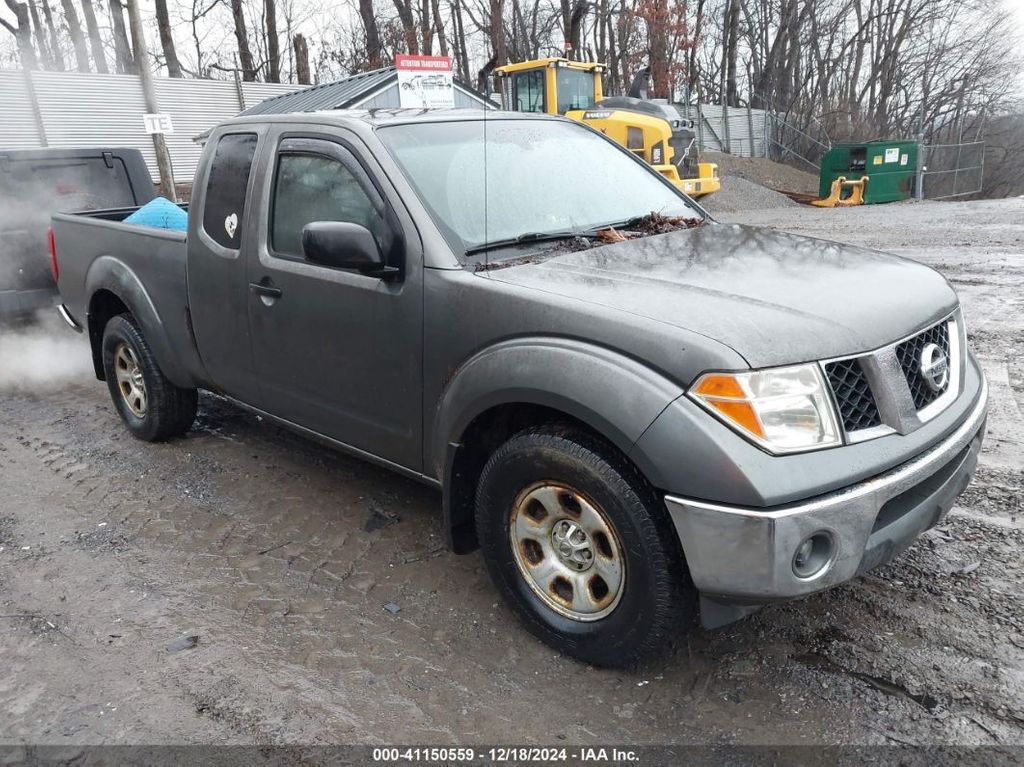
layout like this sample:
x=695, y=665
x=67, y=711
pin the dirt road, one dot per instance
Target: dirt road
x=279, y=556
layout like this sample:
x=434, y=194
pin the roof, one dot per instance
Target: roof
x=389, y=116
x=557, y=61
x=339, y=94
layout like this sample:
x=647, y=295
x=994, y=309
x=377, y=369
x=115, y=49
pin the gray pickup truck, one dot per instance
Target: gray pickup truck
x=634, y=427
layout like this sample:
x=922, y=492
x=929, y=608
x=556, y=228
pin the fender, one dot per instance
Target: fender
x=174, y=351
x=613, y=394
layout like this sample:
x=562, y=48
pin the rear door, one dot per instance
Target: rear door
x=218, y=289
x=336, y=351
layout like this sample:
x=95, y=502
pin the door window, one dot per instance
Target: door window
x=226, y=188
x=528, y=91
x=311, y=188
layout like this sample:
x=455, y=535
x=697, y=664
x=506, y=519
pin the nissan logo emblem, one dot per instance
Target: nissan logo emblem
x=934, y=367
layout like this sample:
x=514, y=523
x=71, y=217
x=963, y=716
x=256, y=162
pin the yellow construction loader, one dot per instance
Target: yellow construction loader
x=654, y=131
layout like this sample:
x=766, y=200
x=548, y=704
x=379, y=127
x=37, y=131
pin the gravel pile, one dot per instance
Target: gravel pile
x=761, y=170
x=738, y=194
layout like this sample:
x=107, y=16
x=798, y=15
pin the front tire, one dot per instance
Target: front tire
x=152, y=408
x=582, y=548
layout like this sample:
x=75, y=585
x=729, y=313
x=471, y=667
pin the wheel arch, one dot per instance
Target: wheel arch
x=113, y=288
x=523, y=383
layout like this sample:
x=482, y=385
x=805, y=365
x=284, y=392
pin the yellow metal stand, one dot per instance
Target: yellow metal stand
x=835, y=197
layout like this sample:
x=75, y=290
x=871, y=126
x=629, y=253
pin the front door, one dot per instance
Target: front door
x=336, y=351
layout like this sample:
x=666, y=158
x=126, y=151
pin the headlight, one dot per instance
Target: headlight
x=784, y=410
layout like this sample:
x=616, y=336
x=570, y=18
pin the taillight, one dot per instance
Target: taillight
x=54, y=268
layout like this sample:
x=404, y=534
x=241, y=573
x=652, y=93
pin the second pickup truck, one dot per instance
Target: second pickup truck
x=638, y=418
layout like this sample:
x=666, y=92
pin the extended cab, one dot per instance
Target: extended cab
x=631, y=425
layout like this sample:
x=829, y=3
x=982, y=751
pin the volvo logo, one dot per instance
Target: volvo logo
x=934, y=367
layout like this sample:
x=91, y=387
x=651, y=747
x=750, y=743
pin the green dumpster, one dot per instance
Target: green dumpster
x=889, y=165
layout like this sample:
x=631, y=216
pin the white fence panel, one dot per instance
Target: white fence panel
x=89, y=110
x=17, y=125
x=193, y=110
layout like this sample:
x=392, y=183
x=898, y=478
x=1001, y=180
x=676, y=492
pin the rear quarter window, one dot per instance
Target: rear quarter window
x=226, y=186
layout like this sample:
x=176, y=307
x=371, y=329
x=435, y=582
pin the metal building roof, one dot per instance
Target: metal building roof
x=336, y=95
x=340, y=94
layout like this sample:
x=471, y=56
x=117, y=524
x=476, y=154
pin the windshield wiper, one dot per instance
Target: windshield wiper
x=531, y=237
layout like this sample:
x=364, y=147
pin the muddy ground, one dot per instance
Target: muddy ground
x=278, y=556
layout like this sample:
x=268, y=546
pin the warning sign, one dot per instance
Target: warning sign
x=425, y=82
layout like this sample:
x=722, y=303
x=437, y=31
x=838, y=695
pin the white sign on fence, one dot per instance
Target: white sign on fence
x=425, y=82
x=158, y=123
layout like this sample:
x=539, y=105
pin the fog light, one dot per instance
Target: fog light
x=813, y=556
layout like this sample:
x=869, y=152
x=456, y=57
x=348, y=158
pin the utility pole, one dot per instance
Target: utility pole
x=163, y=157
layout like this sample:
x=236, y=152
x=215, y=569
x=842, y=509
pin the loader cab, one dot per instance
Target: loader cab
x=553, y=85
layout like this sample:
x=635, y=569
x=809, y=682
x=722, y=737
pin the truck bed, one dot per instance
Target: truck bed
x=93, y=246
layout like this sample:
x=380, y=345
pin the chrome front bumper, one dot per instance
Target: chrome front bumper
x=744, y=556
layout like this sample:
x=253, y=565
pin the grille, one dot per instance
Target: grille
x=909, y=355
x=853, y=395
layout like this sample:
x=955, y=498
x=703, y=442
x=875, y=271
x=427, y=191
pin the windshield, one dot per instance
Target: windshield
x=530, y=177
x=575, y=89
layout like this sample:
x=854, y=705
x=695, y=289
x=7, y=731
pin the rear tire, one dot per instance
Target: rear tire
x=152, y=408
x=582, y=547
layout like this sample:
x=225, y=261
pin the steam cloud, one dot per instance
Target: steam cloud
x=42, y=358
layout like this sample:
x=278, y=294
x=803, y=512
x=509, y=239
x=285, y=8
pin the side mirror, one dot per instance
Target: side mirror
x=343, y=245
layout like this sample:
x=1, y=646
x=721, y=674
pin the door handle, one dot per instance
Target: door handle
x=265, y=291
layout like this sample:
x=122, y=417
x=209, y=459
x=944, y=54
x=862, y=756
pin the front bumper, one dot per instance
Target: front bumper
x=744, y=556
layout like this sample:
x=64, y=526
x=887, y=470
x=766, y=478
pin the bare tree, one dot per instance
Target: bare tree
x=301, y=59
x=163, y=23
x=273, y=43
x=369, y=19
x=122, y=48
x=245, y=59
x=76, y=34
x=99, y=57
x=56, y=52
x=404, y=8
x=22, y=31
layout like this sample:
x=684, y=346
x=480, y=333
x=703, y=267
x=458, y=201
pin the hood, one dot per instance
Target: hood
x=774, y=298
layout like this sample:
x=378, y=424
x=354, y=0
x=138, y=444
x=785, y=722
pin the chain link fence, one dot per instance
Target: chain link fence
x=951, y=170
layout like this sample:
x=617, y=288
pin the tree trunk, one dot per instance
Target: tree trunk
x=461, y=56
x=408, y=19
x=55, y=50
x=163, y=157
x=122, y=48
x=426, y=29
x=37, y=25
x=22, y=34
x=373, y=53
x=301, y=59
x=242, y=38
x=574, y=28
x=496, y=25
x=163, y=23
x=660, y=56
x=273, y=45
x=77, y=36
x=95, y=41
x=442, y=40
x=732, y=16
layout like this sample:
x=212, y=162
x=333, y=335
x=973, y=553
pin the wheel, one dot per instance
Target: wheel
x=151, y=407
x=582, y=548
